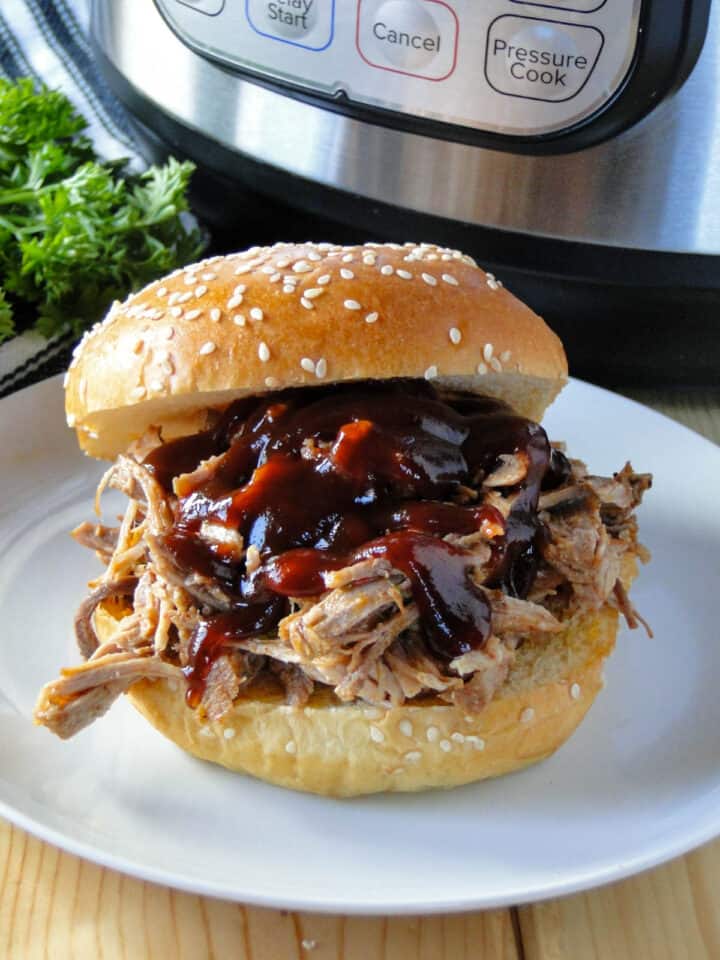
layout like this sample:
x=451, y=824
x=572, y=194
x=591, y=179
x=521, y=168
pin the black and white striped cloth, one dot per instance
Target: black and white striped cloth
x=48, y=40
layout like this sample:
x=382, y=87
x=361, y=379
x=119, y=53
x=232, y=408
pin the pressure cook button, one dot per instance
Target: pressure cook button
x=540, y=59
x=302, y=23
x=573, y=6
x=414, y=37
x=209, y=7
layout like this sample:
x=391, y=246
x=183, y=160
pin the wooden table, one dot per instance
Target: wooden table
x=53, y=905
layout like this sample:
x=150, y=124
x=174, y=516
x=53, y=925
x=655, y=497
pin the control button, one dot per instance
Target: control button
x=209, y=7
x=302, y=23
x=417, y=38
x=573, y=6
x=540, y=59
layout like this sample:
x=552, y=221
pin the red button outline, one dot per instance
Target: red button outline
x=407, y=73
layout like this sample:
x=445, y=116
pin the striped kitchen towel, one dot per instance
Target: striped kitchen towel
x=48, y=40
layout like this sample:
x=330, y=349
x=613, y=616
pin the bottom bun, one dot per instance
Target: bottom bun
x=344, y=750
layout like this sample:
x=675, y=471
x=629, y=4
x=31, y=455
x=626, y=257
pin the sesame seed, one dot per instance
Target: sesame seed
x=431, y=372
x=190, y=279
x=405, y=274
x=446, y=256
x=413, y=756
x=493, y=284
x=192, y=314
x=406, y=728
x=291, y=747
x=168, y=333
x=371, y=318
x=487, y=352
x=239, y=289
x=376, y=734
x=308, y=304
x=307, y=364
x=268, y=268
x=263, y=351
x=482, y=369
x=256, y=313
x=495, y=364
x=176, y=312
x=505, y=356
x=314, y=292
x=136, y=393
x=528, y=715
x=309, y=944
x=208, y=276
x=387, y=270
x=369, y=259
x=455, y=335
x=477, y=742
x=288, y=288
x=575, y=691
x=352, y=305
x=270, y=382
x=429, y=279
x=314, y=256
x=206, y=348
x=239, y=320
x=282, y=263
x=346, y=274
x=457, y=737
x=432, y=734
x=348, y=258
x=321, y=368
x=161, y=292
x=449, y=278
x=228, y=733
x=323, y=280
x=289, y=278
x=173, y=298
x=215, y=314
x=201, y=290
x=445, y=746
x=301, y=267
x=184, y=297
x=235, y=300
x=275, y=278
x=243, y=268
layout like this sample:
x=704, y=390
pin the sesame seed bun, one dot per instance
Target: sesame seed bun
x=349, y=749
x=300, y=315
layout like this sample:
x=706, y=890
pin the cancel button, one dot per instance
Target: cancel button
x=414, y=37
x=540, y=59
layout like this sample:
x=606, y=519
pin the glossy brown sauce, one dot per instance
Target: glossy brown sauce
x=317, y=479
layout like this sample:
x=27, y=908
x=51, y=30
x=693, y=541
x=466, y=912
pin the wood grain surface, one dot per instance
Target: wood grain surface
x=54, y=905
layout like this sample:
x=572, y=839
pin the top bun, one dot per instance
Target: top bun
x=295, y=315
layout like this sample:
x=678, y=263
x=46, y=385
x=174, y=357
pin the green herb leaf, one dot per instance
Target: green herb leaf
x=77, y=233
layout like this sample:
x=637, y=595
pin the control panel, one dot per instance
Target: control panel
x=516, y=67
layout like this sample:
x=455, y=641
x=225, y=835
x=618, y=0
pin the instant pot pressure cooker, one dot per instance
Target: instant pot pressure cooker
x=572, y=146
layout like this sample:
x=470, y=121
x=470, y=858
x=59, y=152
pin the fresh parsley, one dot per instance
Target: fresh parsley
x=77, y=232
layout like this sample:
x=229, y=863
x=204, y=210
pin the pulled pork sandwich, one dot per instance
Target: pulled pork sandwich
x=351, y=560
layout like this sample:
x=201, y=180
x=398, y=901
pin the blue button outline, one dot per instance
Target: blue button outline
x=294, y=43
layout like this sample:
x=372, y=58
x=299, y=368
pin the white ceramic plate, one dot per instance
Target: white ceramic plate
x=639, y=782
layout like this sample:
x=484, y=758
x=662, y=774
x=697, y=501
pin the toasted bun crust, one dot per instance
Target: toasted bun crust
x=346, y=750
x=300, y=315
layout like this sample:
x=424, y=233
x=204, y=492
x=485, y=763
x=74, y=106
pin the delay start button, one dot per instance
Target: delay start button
x=540, y=59
x=301, y=23
x=417, y=38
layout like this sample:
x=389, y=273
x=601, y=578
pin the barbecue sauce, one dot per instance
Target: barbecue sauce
x=318, y=479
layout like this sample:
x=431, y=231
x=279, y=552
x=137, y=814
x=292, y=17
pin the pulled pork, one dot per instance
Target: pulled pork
x=359, y=637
